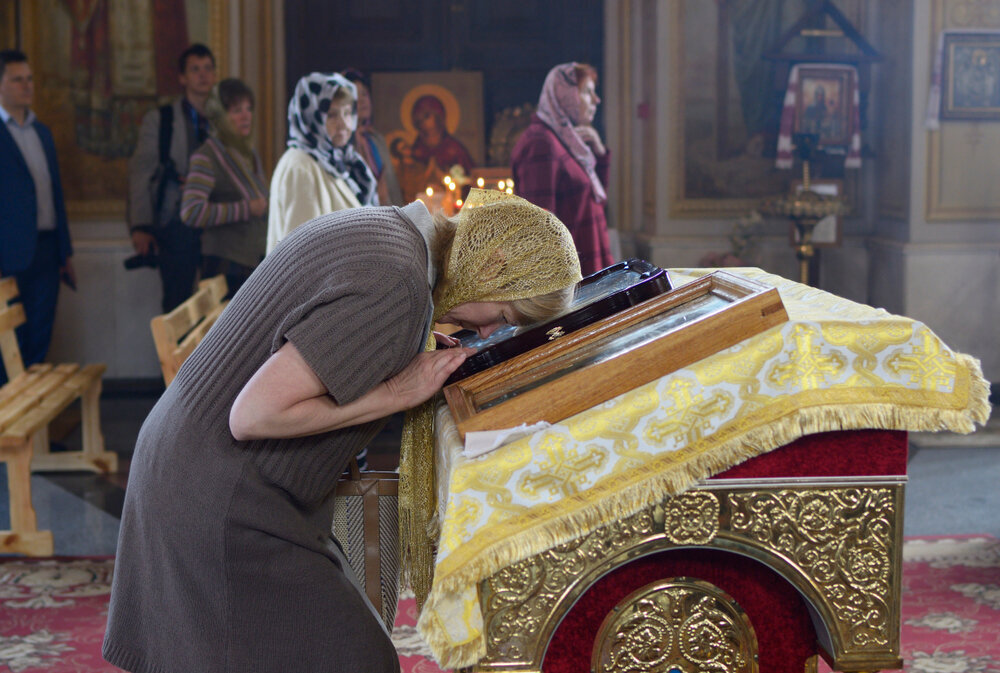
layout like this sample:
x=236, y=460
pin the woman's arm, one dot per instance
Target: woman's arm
x=196, y=208
x=285, y=398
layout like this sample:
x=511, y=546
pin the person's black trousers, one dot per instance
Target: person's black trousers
x=38, y=289
x=180, y=257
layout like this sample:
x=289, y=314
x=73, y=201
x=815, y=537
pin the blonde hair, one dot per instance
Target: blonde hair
x=543, y=306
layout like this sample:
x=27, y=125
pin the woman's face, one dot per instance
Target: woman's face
x=341, y=120
x=482, y=317
x=588, y=100
x=364, y=102
x=240, y=116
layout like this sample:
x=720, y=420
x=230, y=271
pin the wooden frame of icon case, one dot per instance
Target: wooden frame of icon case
x=614, y=355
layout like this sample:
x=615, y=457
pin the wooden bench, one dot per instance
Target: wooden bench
x=176, y=334
x=29, y=401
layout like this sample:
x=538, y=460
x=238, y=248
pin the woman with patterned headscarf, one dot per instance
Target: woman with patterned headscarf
x=225, y=557
x=560, y=163
x=320, y=172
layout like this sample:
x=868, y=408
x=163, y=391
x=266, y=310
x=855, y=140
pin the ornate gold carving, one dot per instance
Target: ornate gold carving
x=691, y=517
x=975, y=14
x=840, y=539
x=837, y=544
x=680, y=625
x=518, y=601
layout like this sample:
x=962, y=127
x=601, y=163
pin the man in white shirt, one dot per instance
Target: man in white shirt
x=35, y=246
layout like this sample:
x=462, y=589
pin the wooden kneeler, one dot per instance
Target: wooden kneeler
x=29, y=401
x=178, y=333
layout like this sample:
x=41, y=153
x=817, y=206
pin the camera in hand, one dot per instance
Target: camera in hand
x=139, y=261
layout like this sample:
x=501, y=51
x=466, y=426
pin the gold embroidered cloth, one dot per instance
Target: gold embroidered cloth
x=836, y=365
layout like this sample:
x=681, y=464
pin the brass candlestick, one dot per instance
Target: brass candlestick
x=805, y=208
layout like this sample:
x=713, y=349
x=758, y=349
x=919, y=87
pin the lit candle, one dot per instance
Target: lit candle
x=501, y=185
x=430, y=191
x=510, y=191
x=451, y=185
x=458, y=202
x=447, y=179
x=480, y=182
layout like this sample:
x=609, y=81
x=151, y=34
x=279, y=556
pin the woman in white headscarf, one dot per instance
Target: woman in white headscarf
x=320, y=172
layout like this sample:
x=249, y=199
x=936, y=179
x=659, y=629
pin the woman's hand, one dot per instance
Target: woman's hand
x=425, y=375
x=589, y=135
x=258, y=206
x=446, y=340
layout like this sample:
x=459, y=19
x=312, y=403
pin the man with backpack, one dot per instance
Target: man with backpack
x=167, y=138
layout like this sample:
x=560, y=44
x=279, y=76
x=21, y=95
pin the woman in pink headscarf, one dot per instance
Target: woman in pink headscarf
x=560, y=163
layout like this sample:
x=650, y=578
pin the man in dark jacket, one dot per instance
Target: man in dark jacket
x=34, y=236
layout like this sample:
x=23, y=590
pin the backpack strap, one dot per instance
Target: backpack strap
x=166, y=131
x=166, y=170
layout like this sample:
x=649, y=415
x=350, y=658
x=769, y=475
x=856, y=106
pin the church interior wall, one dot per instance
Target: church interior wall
x=923, y=240
x=952, y=255
x=925, y=203
x=107, y=318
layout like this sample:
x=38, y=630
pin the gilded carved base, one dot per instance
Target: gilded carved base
x=676, y=626
x=837, y=540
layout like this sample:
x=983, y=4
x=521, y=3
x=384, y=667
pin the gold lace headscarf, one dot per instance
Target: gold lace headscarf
x=505, y=248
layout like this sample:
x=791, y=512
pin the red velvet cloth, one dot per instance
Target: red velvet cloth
x=845, y=453
x=785, y=636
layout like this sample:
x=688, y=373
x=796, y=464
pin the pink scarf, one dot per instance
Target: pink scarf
x=559, y=109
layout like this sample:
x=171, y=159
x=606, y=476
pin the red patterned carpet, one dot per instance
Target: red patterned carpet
x=52, y=615
x=52, y=612
x=951, y=605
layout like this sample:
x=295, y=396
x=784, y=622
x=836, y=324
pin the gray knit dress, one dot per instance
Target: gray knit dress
x=225, y=561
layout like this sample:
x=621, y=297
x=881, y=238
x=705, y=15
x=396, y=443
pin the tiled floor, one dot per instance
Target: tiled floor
x=952, y=482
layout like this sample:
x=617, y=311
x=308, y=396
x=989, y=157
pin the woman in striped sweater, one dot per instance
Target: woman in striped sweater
x=225, y=193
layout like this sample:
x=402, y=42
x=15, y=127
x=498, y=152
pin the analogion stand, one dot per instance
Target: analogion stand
x=594, y=545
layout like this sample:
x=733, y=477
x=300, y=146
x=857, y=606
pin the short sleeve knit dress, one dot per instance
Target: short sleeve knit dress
x=225, y=559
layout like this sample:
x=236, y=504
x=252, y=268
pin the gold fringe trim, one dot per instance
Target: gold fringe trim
x=417, y=501
x=447, y=654
x=633, y=498
x=978, y=407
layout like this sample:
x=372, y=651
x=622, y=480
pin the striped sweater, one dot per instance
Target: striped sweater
x=217, y=192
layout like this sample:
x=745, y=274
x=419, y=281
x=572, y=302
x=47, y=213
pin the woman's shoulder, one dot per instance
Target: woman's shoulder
x=294, y=156
x=537, y=138
x=296, y=161
x=211, y=147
